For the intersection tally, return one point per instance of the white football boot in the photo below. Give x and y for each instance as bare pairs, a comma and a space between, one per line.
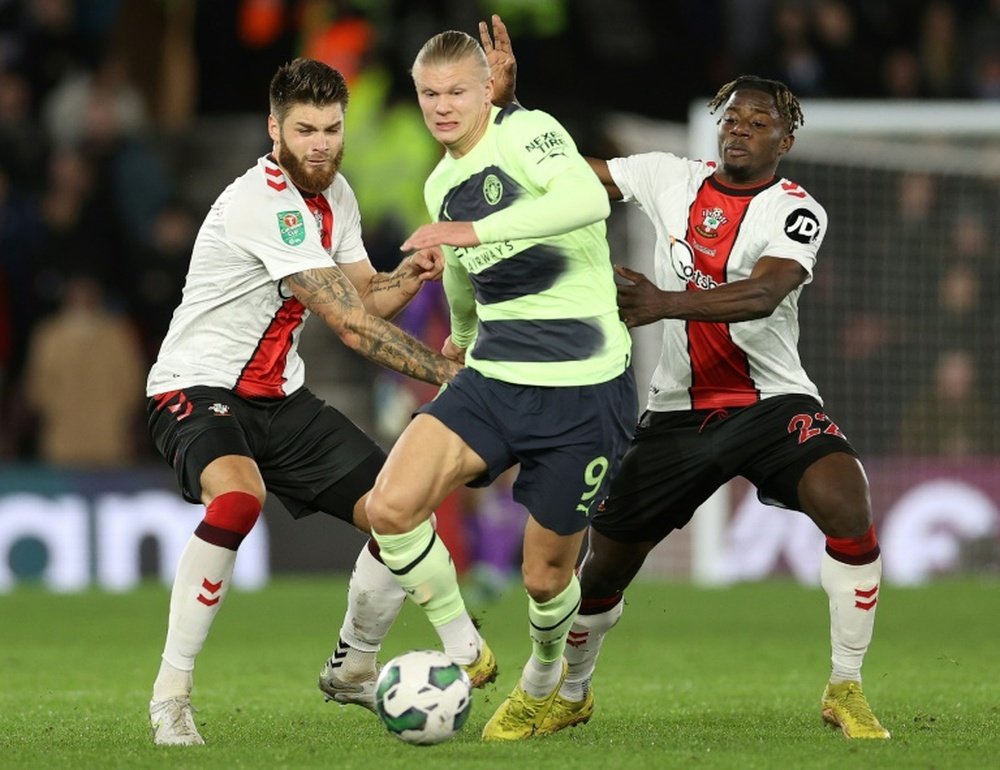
173, 722
359, 691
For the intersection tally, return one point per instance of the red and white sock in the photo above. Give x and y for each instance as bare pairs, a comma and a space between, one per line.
201, 582
583, 644
850, 573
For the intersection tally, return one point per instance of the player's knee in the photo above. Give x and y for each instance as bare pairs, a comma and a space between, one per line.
846, 523
607, 572
544, 583
842, 512
386, 515
229, 518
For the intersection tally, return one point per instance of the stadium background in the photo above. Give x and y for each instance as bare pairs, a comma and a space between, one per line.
121, 120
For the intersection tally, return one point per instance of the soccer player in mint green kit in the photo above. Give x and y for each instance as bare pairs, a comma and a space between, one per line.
547, 382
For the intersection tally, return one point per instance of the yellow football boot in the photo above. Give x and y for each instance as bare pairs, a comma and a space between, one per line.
483, 669
845, 706
566, 713
520, 716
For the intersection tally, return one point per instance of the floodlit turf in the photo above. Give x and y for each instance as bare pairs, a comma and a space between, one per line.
690, 679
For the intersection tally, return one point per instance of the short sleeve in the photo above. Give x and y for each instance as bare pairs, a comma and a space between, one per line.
640, 176
348, 244
278, 231
797, 228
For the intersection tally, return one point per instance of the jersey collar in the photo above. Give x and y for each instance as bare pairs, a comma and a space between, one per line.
742, 191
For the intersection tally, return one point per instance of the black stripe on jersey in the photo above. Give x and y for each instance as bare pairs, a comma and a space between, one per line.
550, 340
474, 199
531, 271
506, 112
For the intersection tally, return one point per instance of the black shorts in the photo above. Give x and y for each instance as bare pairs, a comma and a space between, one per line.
303, 447
568, 440
678, 459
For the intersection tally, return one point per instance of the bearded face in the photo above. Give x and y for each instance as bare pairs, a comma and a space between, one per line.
309, 144
311, 172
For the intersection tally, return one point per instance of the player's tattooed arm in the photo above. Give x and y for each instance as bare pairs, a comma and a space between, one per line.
385, 294
328, 293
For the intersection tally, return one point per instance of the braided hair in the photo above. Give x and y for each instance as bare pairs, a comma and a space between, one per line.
788, 105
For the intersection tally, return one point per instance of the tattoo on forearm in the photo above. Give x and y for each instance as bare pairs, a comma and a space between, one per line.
390, 346
385, 282
329, 294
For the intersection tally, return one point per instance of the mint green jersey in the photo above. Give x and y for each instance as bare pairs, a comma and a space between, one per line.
535, 302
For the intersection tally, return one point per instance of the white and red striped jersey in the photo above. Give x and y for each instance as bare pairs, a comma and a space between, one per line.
237, 326
708, 234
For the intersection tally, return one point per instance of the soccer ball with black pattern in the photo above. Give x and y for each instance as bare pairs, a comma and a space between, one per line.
423, 697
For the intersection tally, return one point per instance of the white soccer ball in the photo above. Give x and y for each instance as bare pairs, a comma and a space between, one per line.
423, 697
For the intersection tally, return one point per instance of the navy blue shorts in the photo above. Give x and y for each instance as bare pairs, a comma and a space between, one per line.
568, 440
678, 459
310, 456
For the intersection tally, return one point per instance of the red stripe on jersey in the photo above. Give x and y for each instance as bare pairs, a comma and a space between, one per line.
720, 370
320, 208
264, 373
279, 182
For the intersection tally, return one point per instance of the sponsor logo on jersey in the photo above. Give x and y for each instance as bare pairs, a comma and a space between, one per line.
682, 260
711, 220
549, 144
220, 409
492, 189
802, 226
291, 227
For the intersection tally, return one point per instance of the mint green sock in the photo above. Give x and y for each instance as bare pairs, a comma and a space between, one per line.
421, 564
550, 622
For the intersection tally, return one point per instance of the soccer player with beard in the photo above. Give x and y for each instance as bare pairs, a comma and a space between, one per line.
735, 244
227, 404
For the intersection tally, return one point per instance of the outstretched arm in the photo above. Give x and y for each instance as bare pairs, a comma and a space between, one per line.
329, 294
385, 294
500, 55
641, 302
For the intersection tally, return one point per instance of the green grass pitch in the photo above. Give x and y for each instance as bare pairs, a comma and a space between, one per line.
691, 678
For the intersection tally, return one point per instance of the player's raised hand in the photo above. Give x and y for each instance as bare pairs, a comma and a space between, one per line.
639, 300
441, 234
500, 55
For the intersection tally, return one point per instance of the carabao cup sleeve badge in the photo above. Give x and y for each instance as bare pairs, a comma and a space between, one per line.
292, 227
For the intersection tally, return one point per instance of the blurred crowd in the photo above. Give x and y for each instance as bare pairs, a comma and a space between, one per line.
106, 115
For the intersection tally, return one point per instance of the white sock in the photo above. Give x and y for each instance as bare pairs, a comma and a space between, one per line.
582, 648
460, 638
200, 584
538, 679
853, 593
171, 682
374, 599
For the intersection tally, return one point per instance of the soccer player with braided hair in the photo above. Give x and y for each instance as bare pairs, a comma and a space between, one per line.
729, 397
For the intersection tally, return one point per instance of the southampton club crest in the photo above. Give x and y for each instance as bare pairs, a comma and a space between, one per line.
220, 409
711, 220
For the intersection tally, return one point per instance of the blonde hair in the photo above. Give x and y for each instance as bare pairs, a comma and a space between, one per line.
449, 47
